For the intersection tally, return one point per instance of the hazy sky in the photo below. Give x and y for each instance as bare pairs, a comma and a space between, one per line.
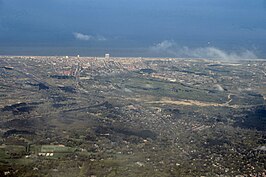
132, 25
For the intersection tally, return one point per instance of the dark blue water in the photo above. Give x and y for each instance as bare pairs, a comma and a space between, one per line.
130, 28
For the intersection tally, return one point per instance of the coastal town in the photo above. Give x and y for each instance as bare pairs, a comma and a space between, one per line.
115, 116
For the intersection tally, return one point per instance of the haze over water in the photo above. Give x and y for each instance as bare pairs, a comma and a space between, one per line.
133, 28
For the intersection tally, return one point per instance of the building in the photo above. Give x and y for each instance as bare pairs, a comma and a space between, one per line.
55, 150
107, 56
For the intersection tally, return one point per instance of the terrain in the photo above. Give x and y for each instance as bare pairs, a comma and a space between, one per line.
87, 116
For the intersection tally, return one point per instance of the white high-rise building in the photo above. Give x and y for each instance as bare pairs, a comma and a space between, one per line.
107, 56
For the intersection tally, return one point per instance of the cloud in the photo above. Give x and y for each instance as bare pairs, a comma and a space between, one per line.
171, 48
82, 37
85, 37
100, 38
165, 47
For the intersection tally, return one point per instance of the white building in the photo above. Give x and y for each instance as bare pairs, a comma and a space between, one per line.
107, 56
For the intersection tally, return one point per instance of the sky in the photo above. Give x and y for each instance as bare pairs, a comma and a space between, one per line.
132, 28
